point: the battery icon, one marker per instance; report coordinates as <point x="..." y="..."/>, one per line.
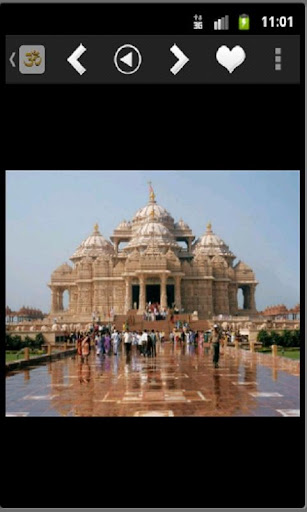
<point x="244" y="22"/>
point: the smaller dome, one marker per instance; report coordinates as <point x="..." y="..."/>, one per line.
<point x="63" y="269"/>
<point x="124" y="225"/>
<point x="212" y="244"/>
<point x="93" y="246"/>
<point x="182" y="225"/>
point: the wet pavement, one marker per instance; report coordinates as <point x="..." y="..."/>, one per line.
<point x="180" y="381"/>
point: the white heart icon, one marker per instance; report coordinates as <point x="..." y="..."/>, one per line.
<point x="230" y="59"/>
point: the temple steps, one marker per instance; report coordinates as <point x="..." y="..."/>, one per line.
<point x="136" y="323"/>
<point x="201" y="325"/>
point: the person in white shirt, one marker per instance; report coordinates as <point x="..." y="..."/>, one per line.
<point x="115" y="340"/>
<point x="127" y="341"/>
<point x="144" y="339"/>
<point x="139" y="341"/>
<point x="134" y="339"/>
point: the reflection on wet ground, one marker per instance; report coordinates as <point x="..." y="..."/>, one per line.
<point x="180" y="381"/>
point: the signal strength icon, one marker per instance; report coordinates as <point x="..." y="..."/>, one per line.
<point x="222" y="23"/>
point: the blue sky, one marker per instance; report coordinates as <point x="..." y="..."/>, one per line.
<point x="49" y="213"/>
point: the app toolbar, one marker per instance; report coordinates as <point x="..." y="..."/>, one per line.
<point x="220" y="58"/>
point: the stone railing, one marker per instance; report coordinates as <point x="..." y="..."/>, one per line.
<point x="272" y="360"/>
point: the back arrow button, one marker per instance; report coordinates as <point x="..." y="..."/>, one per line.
<point x="182" y="59"/>
<point x="11" y="59"/>
<point x="73" y="59"/>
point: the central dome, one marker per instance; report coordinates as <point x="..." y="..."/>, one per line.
<point x="145" y="213"/>
<point x="152" y="231"/>
<point x="152" y="211"/>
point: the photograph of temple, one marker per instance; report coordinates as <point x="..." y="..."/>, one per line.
<point x="152" y="259"/>
<point x="155" y="315"/>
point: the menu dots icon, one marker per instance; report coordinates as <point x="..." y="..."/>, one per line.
<point x="277" y="59"/>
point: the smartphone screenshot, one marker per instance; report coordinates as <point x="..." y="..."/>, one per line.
<point x="153" y="176"/>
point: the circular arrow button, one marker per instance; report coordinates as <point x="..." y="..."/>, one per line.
<point x="127" y="59"/>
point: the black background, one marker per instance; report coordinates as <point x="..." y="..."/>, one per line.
<point x="152" y="462"/>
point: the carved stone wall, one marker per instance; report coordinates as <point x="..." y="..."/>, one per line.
<point x="233" y="298"/>
<point x="220" y="298"/>
<point x="85" y="296"/>
<point x="196" y="295"/>
<point x="207" y="284"/>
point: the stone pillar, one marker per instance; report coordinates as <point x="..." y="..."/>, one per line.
<point x="128" y="296"/>
<point x="27" y="354"/>
<point x="233" y="298"/>
<point x="178" y="291"/>
<point x="252" y="346"/>
<point x="54" y="300"/>
<point x="236" y="344"/>
<point x="60" y="299"/>
<point x="70" y="298"/>
<point x="142" y="299"/>
<point x="163" y="296"/>
<point x="73" y="299"/>
<point x="252" y="302"/>
<point x="274" y="350"/>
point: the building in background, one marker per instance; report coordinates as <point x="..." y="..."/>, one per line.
<point x="153" y="259"/>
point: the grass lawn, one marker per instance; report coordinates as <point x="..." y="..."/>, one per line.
<point x="292" y="353"/>
<point x="13" y="355"/>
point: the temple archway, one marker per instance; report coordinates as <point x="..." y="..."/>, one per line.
<point x="245" y="294"/>
<point x="135" y="296"/>
<point x="153" y="293"/>
<point x="65" y="300"/>
<point x="240" y="298"/>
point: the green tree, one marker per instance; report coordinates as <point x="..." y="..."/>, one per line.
<point x="28" y="342"/>
<point x="39" y="340"/>
<point x="286" y="338"/>
<point x="264" y="338"/>
<point x="8" y="341"/>
<point x="276" y="339"/>
<point x="296" y="338"/>
<point x="13" y="342"/>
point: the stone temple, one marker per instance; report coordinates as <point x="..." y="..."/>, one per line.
<point x="159" y="261"/>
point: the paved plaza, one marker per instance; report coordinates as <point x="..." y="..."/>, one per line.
<point x="180" y="381"/>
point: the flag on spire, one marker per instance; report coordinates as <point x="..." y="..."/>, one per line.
<point x="151" y="192"/>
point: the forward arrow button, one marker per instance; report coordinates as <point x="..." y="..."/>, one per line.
<point x="182" y="59"/>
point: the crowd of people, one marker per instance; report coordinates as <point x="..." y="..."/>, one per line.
<point x="153" y="312"/>
<point x="107" y="340"/>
